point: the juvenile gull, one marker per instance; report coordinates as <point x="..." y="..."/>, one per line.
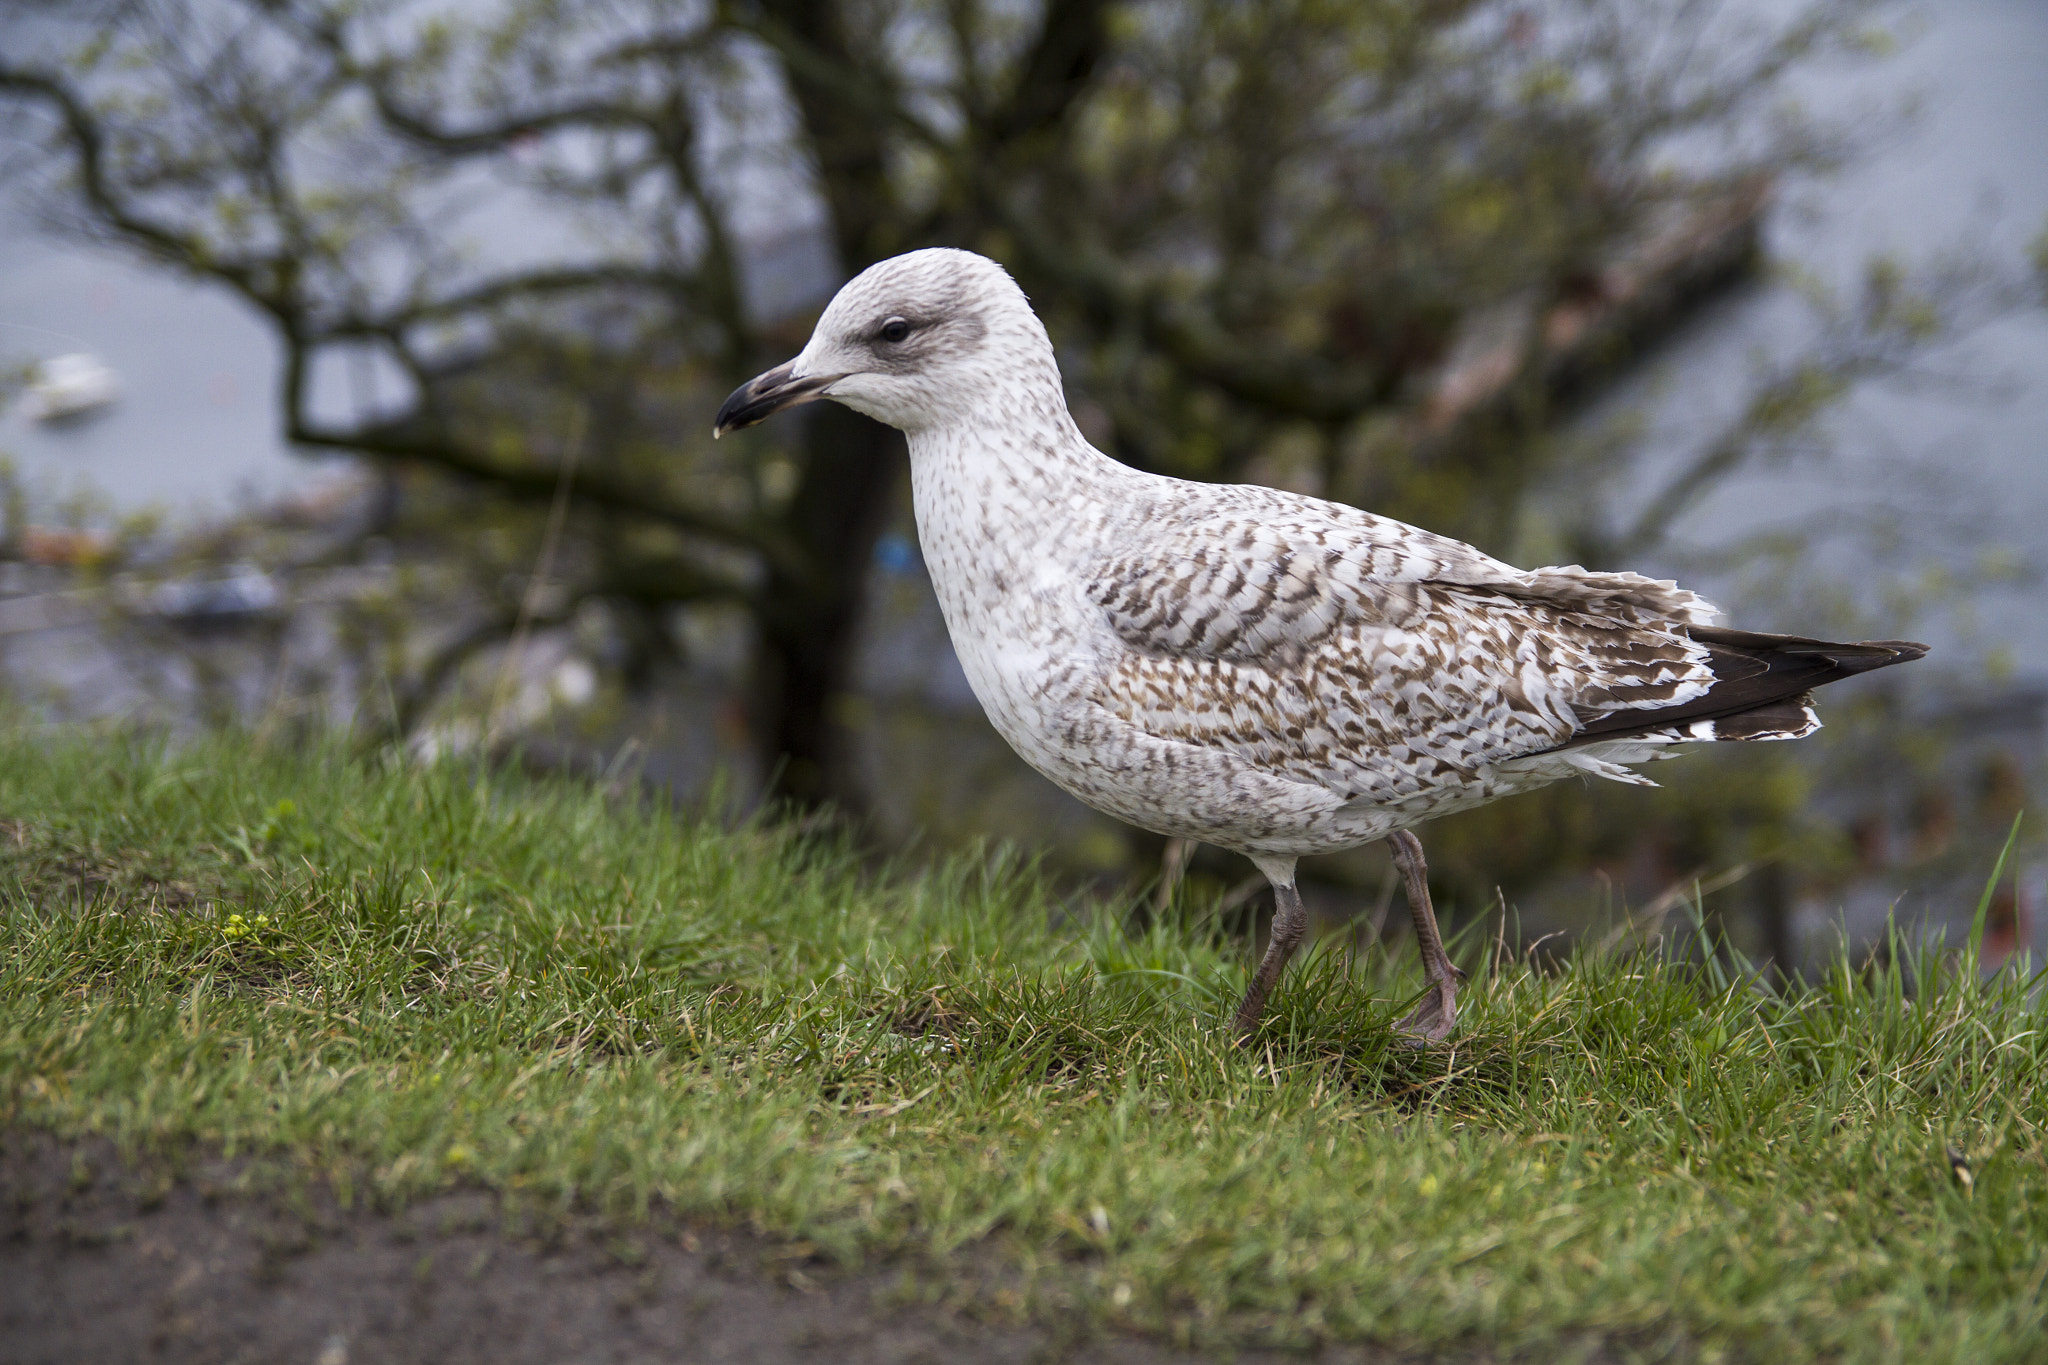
<point x="1266" y="672"/>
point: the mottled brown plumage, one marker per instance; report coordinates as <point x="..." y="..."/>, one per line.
<point x="1267" y="672"/>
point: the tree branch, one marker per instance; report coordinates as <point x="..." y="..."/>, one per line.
<point x="535" y="483"/>
<point x="1072" y="40"/>
<point x="88" y="143"/>
<point x="1289" y="385"/>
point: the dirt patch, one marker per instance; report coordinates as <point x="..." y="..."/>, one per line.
<point x="101" y="1262"/>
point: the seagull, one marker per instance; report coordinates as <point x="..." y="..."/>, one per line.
<point x="1267" y="672"/>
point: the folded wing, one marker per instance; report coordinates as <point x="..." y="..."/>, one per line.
<point x="1381" y="661"/>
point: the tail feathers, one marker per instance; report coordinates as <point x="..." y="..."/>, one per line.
<point x="1762" y="688"/>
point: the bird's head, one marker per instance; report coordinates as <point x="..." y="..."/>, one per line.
<point x="916" y="341"/>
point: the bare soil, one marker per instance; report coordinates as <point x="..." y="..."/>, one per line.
<point x="101" y="1261"/>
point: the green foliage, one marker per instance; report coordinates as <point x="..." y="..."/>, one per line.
<point x="578" y="998"/>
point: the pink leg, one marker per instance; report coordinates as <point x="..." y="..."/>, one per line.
<point x="1432" y="1019"/>
<point x="1290" y="925"/>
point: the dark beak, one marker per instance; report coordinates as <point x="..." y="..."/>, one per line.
<point x="767" y="394"/>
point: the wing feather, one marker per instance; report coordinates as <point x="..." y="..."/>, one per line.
<point x="1374" y="658"/>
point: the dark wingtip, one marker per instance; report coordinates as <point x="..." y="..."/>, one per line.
<point x="1848" y="657"/>
<point x="1767" y="677"/>
<point x="1871" y="654"/>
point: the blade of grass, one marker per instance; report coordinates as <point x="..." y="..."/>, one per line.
<point x="1979" y="919"/>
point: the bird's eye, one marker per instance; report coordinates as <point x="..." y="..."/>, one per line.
<point x="895" y="329"/>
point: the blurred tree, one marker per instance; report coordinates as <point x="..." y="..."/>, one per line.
<point x="1264" y="232"/>
<point x="1368" y="250"/>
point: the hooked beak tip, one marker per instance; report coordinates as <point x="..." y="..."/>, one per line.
<point x="767" y="394"/>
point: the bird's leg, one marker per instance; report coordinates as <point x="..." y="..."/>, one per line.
<point x="1290" y="924"/>
<point x="1432" y="1019"/>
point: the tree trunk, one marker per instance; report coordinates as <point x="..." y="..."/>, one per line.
<point x="851" y="464"/>
<point x="810" y="627"/>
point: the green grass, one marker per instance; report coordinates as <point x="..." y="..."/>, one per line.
<point x="444" y="975"/>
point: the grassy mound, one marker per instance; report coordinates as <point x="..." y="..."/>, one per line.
<point x="395" y="978"/>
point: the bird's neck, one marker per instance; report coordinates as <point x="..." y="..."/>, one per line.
<point x="1014" y="481"/>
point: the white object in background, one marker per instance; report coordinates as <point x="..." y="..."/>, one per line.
<point x="244" y="591"/>
<point x="70" y="386"/>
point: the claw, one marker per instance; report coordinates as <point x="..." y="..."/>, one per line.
<point x="1432" y="1020"/>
